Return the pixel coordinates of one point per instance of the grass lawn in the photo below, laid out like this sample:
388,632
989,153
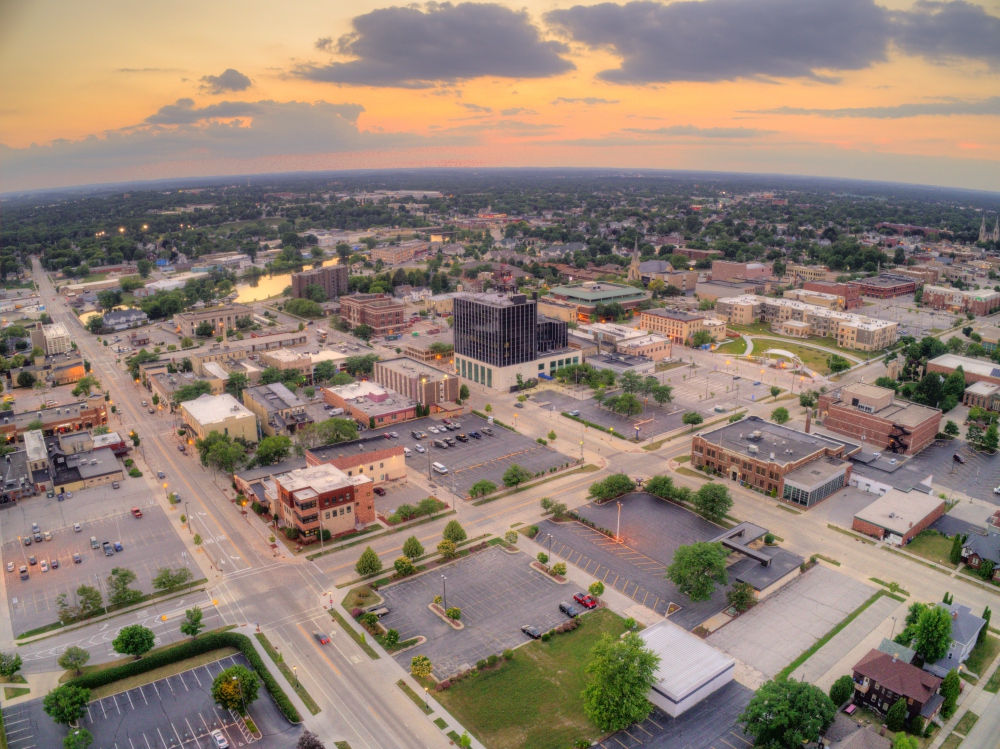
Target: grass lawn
966,723
933,546
535,700
951,742
813,359
10,693
289,675
983,655
732,347
993,685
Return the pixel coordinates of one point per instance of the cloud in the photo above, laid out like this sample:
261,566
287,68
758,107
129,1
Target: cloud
229,80
475,107
325,44
149,70
699,132
717,40
442,43
184,112
588,100
947,107
510,127
513,111
690,134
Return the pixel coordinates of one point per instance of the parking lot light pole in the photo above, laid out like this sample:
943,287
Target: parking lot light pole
295,671
444,592
242,698
618,528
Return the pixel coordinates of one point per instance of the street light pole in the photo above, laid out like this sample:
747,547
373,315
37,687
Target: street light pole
444,594
618,529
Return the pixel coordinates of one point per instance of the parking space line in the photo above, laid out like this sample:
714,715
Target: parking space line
740,738
143,696
162,740
131,704
158,695
101,703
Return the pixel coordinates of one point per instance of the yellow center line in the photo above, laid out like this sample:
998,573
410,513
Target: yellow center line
335,669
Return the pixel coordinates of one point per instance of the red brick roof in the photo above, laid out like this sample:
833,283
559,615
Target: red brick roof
898,676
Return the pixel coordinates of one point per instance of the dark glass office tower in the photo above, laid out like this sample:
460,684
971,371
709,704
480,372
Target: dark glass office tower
496,330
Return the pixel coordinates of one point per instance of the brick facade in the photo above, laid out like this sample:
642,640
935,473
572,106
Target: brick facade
879,288
979,303
380,312
878,432
332,278
850,294
876,531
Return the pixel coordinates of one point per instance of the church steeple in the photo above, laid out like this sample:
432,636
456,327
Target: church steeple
996,230
983,236
634,273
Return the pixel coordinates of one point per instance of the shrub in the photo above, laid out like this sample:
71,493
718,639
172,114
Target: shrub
404,566
481,664
420,666
447,549
391,638
291,533
596,589
453,613
531,531
437,600
368,563
542,557
559,568
442,685
842,690
356,612
510,537
454,532
769,539
630,623
135,473
493,660
413,548
546,637
508,654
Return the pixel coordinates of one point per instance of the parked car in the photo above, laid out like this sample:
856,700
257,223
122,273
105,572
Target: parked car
27,540
321,638
586,600
415,435
47,536
35,528
423,435
182,448
24,572
756,382
463,438
475,435
152,410
432,430
219,740
54,563
10,566
450,441
38,538
569,610
407,452
77,558
379,490
441,444
93,543
394,435
379,610
69,495
77,527
420,449
115,485
958,458
574,413
108,549
45,566
136,512
118,546
161,475
533,632
519,405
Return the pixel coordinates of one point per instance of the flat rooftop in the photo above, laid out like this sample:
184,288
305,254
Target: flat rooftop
760,576
788,445
275,397
412,368
686,661
618,361
885,280
212,409
319,479
815,474
969,365
898,511
673,314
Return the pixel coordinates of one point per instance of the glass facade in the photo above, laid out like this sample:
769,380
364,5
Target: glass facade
808,498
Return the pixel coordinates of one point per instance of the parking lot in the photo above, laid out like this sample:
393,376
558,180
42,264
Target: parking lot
657,419
475,460
149,544
166,714
651,531
497,593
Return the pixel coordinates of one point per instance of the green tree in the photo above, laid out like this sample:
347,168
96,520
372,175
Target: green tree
86,385
119,592
78,738
482,488
713,501
950,688
74,658
144,267
933,634
806,400
368,563
273,450
662,394
660,486
413,548
895,717
25,379
420,666
697,568
235,688
204,329
454,532
613,486
621,672
842,690
134,640
516,475
10,664
701,338
169,579
787,714
837,363
463,392
776,391
630,382
66,704
693,418
596,589
192,391
951,428
780,415
236,384
955,555
108,299
403,566
742,597
226,456
991,439
363,331
192,624
447,549
987,614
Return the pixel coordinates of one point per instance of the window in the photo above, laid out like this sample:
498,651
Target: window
348,509
381,465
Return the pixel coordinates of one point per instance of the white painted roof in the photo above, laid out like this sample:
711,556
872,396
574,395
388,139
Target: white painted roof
686,661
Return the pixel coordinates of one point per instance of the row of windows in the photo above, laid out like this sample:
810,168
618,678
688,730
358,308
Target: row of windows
808,499
476,372
556,364
343,510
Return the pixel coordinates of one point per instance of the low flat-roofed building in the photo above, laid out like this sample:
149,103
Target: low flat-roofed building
818,298
36,450
876,416
991,338
438,349
586,296
278,410
897,517
715,328
678,326
53,338
417,381
85,470
721,289
219,413
287,359
370,403
982,394
653,347
58,419
976,370
622,363
978,302
727,270
689,670
380,460
221,319
885,286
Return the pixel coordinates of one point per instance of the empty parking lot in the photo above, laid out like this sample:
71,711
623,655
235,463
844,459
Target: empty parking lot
166,714
497,593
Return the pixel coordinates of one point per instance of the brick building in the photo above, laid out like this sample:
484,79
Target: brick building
400,253
874,415
976,370
979,303
69,417
881,680
364,457
221,319
850,294
370,403
797,467
897,517
417,381
323,496
380,312
675,325
885,286
725,270
332,278
807,273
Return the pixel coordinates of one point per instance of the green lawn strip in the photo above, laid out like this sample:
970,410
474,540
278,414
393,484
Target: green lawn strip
514,525
683,458
790,668
342,745
454,737
300,690
592,425
391,578
827,559
973,575
837,528
366,539
965,677
440,723
496,421
983,655
415,698
533,701
786,508
993,685
10,693
115,610
685,471
933,546
15,679
966,723
890,586
588,468
358,637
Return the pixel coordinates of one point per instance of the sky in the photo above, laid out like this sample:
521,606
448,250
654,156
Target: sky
114,91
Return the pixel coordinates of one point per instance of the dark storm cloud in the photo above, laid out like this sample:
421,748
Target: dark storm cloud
229,80
716,40
948,107
415,47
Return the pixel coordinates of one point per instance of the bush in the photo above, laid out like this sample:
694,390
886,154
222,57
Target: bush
135,473
510,537
546,637
481,664
191,649
542,557
454,532
508,654
493,660
368,563
531,531
842,690
404,566
559,568
611,487
291,533
769,539
630,623
453,613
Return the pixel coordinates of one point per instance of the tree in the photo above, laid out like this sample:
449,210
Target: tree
168,579
933,634
697,569
596,589
780,415
951,687
613,486
74,658
25,379
309,740
630,382
516,475
987,614
420,666
413,548
990,440
951,428
363,331
662,394
78,738
887,382
693,418
447,549
66,704
903,741
482,488
235,688
134,640
10,664
895,717
226,456
660,486
625,404
713,501
776,391
108,299
368,563
192,625
842,690
403,566
701,338
119,592
204,329
621,674
236,384
463,393
273,450
144,267
85,385
787,714
955,555
837,363
742,597
192,391
454,532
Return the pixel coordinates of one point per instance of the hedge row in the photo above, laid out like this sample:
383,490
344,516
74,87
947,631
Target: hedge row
190,649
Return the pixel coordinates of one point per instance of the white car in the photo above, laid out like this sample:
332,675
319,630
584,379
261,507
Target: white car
422,449
45,566
220,740
996,489
432,430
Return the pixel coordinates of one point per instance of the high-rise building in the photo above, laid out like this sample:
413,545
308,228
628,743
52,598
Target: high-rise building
332,278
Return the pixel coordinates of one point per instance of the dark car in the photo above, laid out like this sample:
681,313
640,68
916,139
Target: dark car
38,536
463,438
533,632
450,441
161,475
585,600
475,435
32,560
518,405
958,458
27,540
182,448
77,559
108,549
54,564
415,435
118,546
441,444
569,610
321,638
379,490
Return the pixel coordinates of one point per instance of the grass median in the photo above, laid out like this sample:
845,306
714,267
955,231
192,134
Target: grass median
294,683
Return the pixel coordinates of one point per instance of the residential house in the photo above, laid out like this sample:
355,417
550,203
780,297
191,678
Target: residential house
965,628
881,680
979,549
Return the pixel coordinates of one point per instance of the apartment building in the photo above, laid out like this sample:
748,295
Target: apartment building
52,339
278,410
851,295
380,312
978,302
678,326
417,381
817,298
332,279
322,497
876,417
220,318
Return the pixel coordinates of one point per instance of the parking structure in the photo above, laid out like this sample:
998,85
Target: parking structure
651,531
497,593
149,543
478,459
170,713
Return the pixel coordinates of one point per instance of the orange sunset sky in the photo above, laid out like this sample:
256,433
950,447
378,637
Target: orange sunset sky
106,91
